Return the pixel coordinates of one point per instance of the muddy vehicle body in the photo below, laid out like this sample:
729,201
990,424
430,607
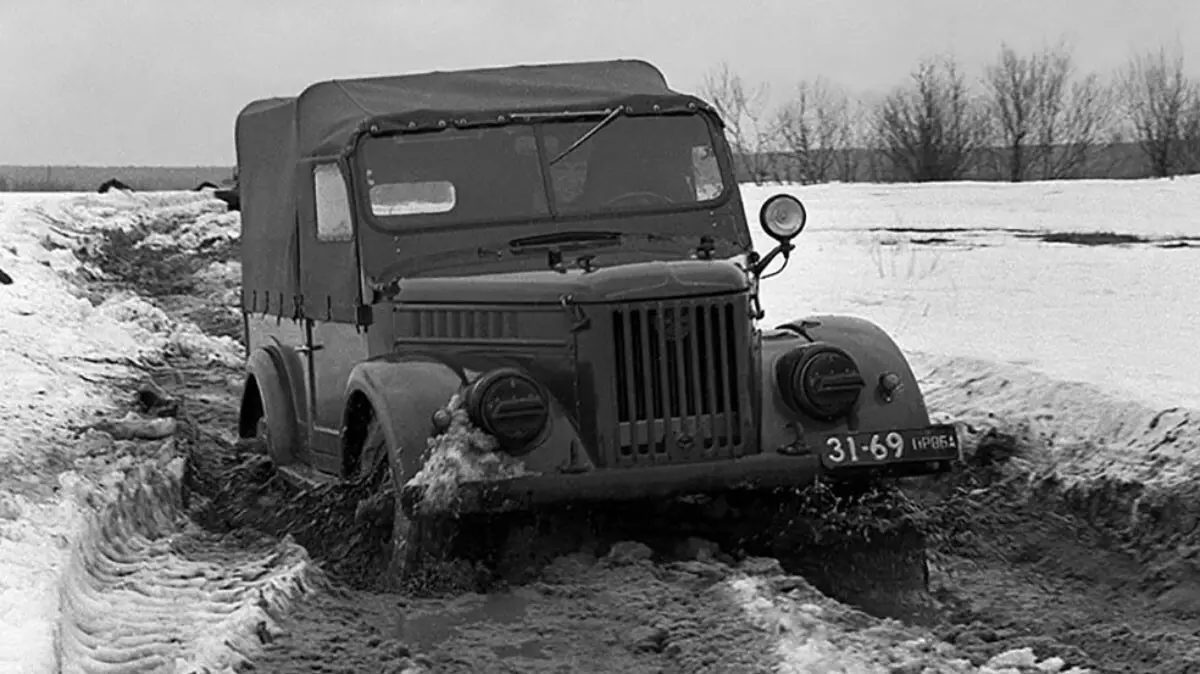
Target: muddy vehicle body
564,246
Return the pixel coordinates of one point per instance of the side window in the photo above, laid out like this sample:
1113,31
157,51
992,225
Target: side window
333,204
706,173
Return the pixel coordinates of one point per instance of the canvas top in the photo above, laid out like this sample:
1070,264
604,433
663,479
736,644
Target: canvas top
328,116
285,269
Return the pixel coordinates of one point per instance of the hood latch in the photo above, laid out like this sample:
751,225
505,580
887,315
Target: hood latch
579,319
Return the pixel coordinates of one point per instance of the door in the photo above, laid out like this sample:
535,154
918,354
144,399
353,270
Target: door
330,286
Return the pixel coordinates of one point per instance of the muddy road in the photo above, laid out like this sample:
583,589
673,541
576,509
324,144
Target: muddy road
1031,568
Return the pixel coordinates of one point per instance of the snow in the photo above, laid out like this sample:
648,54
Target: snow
1017,317
53,345
1123,318
461,453
63,498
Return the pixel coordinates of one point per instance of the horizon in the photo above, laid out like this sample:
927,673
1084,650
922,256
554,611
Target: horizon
165,70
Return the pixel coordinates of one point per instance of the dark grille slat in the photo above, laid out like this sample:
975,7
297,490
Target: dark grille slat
669,409
732,375
709,374
626,362
716,351
692,343
687,400
646,375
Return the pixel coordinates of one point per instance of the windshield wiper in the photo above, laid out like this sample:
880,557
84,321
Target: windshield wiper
591,132
557,238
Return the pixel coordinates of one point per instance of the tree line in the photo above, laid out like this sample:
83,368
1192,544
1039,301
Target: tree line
1030,116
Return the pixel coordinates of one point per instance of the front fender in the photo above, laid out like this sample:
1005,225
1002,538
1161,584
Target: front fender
875,353
404,393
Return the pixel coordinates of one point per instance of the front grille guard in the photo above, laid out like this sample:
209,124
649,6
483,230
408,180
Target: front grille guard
679,374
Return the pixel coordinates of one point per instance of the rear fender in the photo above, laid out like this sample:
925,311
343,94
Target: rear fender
874,352
275,375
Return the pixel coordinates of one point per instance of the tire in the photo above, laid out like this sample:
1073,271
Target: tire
275,429
420,544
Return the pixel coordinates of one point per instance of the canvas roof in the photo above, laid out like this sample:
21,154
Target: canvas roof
329,114
278,138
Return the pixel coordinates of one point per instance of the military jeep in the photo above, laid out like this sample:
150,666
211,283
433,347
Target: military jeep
565,247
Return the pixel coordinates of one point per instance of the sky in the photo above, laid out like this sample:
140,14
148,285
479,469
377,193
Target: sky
160,82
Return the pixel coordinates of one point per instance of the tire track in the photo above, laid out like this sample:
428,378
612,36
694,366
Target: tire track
145,590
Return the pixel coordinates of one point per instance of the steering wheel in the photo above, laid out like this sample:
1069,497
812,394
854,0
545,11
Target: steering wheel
655,196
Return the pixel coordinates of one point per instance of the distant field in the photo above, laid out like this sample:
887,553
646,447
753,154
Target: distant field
88,178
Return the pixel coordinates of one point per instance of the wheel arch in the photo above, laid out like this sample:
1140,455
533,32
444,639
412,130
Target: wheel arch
383,388
875,352
274,387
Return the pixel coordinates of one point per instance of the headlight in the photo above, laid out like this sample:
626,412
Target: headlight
508,405
819,380
782,217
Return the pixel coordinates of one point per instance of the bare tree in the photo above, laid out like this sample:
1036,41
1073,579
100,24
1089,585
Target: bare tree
1047,118
1158,98
743,109
1012,87
1190,137
931,130
1073,130
860,132
815,130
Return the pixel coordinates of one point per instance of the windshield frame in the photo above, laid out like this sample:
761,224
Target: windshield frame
414,224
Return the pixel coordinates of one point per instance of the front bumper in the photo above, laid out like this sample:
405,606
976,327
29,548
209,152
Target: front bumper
766,470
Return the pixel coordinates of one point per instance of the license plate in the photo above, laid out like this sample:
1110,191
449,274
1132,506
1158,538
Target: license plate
933,443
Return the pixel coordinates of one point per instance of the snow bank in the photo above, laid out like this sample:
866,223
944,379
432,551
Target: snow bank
194,219
1130,470
159,335
818,635
57,353
144,591
1082,431
85,523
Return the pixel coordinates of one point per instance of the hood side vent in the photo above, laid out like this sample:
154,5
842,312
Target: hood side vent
458,324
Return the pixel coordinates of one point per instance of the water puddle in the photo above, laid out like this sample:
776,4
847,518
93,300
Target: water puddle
424,630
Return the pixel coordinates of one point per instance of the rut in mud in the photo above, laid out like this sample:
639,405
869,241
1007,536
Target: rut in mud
1092,572
585,588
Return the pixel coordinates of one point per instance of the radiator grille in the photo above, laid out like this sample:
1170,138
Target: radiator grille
678,374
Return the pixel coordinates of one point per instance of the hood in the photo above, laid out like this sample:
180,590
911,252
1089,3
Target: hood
647,280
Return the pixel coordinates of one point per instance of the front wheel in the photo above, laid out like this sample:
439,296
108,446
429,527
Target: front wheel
420,544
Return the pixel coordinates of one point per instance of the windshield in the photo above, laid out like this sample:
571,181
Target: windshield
504,173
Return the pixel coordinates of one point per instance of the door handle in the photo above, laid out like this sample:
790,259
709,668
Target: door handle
309,349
